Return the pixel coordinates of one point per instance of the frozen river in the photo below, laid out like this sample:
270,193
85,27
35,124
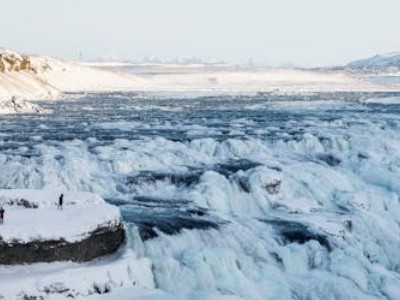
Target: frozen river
264,197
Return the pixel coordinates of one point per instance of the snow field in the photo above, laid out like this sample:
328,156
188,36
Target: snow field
82,214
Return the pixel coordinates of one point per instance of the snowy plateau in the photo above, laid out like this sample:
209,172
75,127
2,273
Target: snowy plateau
230,182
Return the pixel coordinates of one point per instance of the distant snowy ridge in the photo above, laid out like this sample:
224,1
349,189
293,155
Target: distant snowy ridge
378,62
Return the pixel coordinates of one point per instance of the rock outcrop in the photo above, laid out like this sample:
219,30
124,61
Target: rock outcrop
11,61
36,230
103,241
37,77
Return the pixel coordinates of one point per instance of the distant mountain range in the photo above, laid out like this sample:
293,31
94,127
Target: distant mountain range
378,62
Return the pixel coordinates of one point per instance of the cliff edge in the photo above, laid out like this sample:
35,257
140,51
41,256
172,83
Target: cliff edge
36,229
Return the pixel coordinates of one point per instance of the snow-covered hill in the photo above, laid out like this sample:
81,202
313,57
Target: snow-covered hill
378,62
40,77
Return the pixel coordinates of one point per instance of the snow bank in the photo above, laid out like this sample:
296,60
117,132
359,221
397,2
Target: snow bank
39,77
71,280
32,215
69,76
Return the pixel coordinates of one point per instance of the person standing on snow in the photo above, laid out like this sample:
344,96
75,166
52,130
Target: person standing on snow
60,201
2,215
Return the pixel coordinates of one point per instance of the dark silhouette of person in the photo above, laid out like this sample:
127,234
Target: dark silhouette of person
60,201
2,215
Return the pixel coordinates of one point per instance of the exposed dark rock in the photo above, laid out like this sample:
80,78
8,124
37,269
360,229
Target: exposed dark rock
278,259
348,224
273,187
231,167
157,202
101,289
330,159
147,177
188,179
27,297
102,241
167,216
362,155
295,232
22,202
56,288
244,184
275,168
172,224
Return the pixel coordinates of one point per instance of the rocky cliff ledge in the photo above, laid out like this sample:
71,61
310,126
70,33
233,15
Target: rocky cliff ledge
36,230
103,241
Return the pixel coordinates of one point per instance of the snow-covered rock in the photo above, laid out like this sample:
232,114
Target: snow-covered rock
13,61
81,214
67,280
16,105
32,218
35,229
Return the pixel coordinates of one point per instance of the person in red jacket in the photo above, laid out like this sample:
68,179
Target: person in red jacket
2,215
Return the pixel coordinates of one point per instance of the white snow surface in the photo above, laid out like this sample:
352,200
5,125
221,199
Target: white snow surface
82,213
65,280
237,80
49,78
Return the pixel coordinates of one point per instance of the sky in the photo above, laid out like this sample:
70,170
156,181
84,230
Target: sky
306,33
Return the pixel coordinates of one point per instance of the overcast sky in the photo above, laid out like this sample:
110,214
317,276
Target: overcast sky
274,32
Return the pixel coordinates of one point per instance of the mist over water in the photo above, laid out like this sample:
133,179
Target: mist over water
262,196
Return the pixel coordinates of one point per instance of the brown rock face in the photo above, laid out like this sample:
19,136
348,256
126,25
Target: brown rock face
100,242
15,62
